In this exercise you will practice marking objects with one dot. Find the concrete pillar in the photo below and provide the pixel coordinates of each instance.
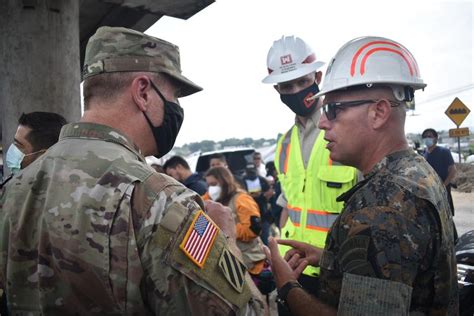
(39, 61)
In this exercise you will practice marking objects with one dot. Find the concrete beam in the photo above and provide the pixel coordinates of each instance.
(40, 60)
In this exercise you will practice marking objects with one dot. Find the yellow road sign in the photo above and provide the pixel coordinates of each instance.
(457, 111)
(459, 132)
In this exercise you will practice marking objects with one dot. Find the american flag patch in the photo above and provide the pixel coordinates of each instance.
(199, 238)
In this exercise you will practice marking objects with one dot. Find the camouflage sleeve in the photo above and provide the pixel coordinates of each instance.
(384, 250)
(174, 283)
(390, 241)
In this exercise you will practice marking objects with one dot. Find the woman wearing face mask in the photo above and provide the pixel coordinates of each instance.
(224, 189)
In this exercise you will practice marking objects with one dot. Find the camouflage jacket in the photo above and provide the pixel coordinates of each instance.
(391, 250)
(89, 228)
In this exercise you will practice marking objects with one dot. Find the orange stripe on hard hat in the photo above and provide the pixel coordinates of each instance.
(359, 51)
(370, 52)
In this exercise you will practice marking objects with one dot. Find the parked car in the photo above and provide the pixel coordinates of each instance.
(237, 159)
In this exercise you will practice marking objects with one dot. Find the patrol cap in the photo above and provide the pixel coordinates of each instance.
(118, 49)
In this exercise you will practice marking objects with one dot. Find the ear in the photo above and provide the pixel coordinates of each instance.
(379, 113)
(140, 90)
(319, 76)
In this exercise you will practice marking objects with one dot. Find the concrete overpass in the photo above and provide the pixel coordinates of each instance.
(42, 45)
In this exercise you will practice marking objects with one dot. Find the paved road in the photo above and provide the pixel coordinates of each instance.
(464, 211)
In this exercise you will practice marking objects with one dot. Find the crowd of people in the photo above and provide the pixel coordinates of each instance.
(346, 220)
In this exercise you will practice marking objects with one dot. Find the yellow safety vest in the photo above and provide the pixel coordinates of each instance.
(311, 193)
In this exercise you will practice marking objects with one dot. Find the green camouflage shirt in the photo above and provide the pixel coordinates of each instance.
(89, 228)
(391, 250)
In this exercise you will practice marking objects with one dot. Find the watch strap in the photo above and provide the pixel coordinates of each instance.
(285, 289)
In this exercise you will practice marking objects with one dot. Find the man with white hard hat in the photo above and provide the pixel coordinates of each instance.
(391, 250)
(311, 181)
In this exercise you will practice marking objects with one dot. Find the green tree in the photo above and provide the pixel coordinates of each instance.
(207, 145)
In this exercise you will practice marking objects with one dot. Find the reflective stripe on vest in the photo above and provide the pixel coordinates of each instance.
(320, 220)
(295, 215)
(285, 152)
(315, 220)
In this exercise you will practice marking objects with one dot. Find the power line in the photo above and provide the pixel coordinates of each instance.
(446, 93)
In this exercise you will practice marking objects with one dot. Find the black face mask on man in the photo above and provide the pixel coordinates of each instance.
(165, 135)
(299, 103)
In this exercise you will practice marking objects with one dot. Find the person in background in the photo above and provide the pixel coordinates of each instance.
(441, 160)
(310, 180)
(91, 229)
(259, 164)
(36, 132)
(258, 187)
(224, 189)
(391, 249)
(178, 168)
(274, 207)
(219, 160)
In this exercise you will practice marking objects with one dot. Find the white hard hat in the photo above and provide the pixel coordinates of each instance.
(290, 58)
(372, 60)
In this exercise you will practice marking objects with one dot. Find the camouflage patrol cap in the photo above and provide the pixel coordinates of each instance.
(117, 49)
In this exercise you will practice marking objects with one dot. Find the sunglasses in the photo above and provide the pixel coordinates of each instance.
(331, 109)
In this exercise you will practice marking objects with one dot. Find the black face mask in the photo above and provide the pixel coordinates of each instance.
(165, 135)
(298, 102)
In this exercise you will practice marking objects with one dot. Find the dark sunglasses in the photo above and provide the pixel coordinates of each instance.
(331, 109)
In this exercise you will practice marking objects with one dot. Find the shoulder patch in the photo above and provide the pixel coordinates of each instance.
(233, 269)
(199, 238)
(174, 217)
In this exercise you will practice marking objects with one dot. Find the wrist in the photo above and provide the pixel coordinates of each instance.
(282, 293)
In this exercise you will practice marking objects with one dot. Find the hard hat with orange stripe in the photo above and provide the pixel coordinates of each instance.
(374, 61)
(290, 58)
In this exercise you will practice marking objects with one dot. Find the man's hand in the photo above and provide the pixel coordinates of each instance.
(301, 251)
(222, 216)
(282, 270)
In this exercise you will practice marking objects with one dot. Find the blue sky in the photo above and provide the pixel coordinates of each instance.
(224, 49)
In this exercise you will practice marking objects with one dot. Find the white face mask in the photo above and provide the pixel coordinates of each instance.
(15, 157)
(214, 192)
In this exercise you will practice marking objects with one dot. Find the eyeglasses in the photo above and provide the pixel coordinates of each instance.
(331, 109)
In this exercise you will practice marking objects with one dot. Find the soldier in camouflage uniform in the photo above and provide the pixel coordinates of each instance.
(391, 251)
(90, 229)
